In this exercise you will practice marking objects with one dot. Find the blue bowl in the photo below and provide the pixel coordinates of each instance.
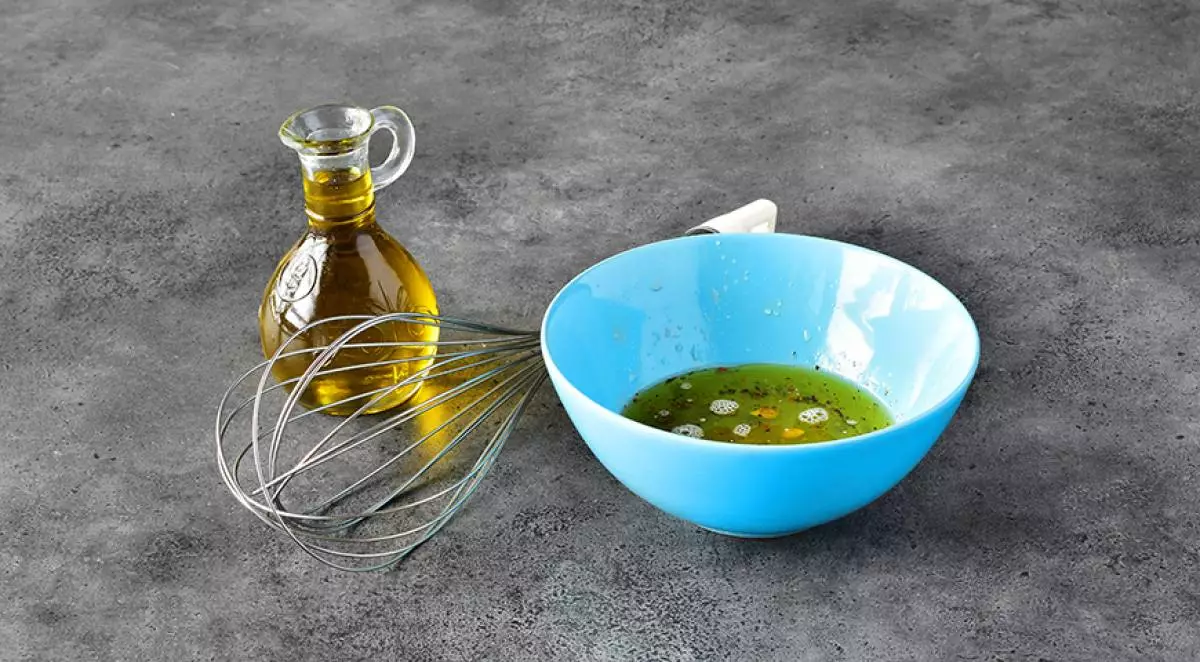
(724, 299)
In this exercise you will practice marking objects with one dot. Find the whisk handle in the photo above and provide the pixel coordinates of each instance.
(758, 216)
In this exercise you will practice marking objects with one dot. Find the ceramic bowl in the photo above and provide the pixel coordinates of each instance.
(725, 299)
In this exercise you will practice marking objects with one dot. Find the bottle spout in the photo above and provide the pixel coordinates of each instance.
(334, 137)
(327, 130)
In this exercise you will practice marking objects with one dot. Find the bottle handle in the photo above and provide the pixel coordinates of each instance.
(394, 121)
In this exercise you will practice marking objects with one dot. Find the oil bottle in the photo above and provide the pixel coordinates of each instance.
(345, 265)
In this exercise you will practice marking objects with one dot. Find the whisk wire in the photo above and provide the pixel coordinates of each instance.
(475, 386)
(463, 490)
(431, 434)
(388, 424)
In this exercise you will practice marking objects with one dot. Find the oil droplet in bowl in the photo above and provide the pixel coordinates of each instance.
(813, 415)
(723, 407)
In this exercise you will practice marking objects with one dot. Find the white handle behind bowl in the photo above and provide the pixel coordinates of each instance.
(758, 216)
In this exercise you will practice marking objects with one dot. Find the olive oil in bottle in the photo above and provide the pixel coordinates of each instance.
(346, 264)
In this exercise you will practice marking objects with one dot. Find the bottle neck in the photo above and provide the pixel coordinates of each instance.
(338, 191)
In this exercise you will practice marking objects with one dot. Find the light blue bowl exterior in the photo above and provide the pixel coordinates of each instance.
(677, 305)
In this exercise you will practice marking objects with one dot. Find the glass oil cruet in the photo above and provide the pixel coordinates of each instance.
(345, 263)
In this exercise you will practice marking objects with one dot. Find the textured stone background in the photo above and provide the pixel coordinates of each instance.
(1039, 157)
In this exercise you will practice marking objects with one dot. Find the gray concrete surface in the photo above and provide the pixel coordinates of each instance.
(1040, 157)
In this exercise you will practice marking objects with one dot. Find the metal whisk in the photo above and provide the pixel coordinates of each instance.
(350, 491)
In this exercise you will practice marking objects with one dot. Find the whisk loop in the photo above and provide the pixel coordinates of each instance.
(360, 493)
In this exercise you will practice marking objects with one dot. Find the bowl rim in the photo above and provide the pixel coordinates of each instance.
(560, 380)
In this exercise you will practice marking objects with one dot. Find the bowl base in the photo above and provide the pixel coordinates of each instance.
(750, 536)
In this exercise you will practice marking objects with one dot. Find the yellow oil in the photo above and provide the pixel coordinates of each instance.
(338, 194)
(443, 423)
(346, 264)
